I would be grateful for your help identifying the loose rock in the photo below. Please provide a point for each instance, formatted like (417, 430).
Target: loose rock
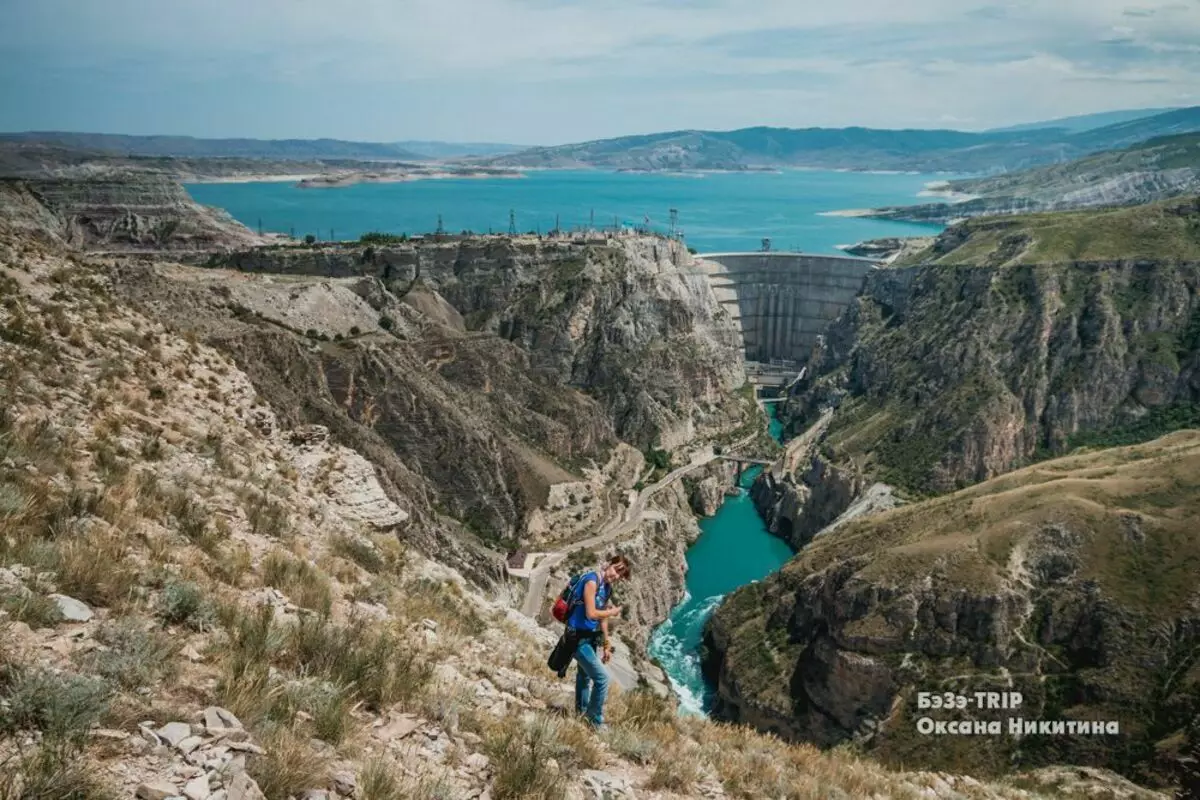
(72, 610)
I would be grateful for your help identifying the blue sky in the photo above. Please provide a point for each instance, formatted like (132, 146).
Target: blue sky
(554, 71)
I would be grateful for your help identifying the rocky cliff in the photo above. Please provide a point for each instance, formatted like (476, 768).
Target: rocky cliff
(614, 317)
(1073, 582)
(132, 211)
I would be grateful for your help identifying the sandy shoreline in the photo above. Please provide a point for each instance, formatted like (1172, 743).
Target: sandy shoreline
(849, 212)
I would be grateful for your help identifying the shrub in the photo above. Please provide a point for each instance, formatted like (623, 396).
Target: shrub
(183, 603)
(521, 753)
(386, 322)
(310, 239)
(93, 568)
(376, 666)
(355, 331)
(135, 657)
(50, 773)
(360, 551)
(677, 770)
(62, 707)
(327, 704)
(35, 610)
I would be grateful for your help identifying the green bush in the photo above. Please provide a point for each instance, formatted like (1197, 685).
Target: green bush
(183, 603)
(378, 237)
(134, 657)
(63, 707)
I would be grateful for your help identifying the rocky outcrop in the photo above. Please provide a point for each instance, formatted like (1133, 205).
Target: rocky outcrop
(130, 211)
(1067, 582)
(707, 488)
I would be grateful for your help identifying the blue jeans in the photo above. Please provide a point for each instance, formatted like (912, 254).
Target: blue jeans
(591, 683)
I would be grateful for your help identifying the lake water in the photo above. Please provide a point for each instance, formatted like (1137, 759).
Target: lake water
(717, 211)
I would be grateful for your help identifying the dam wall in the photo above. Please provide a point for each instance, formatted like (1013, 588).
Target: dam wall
(782, 302)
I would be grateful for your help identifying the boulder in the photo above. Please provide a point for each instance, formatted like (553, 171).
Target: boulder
(174, 732)
(156, 790)
(72, 610)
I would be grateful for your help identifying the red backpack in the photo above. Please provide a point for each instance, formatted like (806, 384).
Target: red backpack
(567, 600)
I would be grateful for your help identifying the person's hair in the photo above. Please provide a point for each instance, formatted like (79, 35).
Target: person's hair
(621, 561)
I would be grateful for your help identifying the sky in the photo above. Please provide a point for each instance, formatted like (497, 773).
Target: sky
(558, 71)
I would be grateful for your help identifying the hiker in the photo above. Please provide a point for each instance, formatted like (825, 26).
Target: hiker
(589, 623)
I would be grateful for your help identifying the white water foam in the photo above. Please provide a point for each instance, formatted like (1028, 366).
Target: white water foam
(681, 664)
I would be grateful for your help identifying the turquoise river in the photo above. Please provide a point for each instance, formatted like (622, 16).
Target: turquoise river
(734, 549)
(716, 211)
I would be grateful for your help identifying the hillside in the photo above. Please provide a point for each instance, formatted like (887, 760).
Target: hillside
(1072, 582)
(851, 148)
(246, 519)
(1165, 231)
(189, 146)
(1154, 170)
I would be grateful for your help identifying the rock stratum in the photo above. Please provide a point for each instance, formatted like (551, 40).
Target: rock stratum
(1006, 342)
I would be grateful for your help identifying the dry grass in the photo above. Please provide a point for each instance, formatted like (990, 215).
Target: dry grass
(301, 581)
(290, 764)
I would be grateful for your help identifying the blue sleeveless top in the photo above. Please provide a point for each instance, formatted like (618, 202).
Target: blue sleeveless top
(578, 619)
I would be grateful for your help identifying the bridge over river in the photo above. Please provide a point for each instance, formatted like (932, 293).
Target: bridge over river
(781, 303)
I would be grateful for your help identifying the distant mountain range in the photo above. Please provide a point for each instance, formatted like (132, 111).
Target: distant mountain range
(283, 149)
(440, 150)
(987, 153)
(1086, 122)
(853, 148)
(191, 147)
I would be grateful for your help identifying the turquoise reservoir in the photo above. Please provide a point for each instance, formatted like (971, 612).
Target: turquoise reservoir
(734, 549)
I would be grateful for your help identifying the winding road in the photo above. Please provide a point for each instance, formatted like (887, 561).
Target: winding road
(620, 524)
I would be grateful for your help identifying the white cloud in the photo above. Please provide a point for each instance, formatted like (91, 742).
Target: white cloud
(873, 62)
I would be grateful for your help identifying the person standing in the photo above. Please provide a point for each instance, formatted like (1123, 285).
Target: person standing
(589, 623)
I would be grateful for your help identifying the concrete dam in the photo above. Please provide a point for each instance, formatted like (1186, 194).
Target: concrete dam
(782, 302)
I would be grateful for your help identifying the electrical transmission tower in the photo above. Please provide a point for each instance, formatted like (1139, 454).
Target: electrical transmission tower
(440, 229)
(512, 222)
(674, 221)
(766, 245)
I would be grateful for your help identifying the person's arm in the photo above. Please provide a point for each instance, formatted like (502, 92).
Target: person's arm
(589, 604)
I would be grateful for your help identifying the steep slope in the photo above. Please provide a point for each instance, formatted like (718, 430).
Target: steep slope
(1073, 582)
(1155, 170)
(202, 595)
